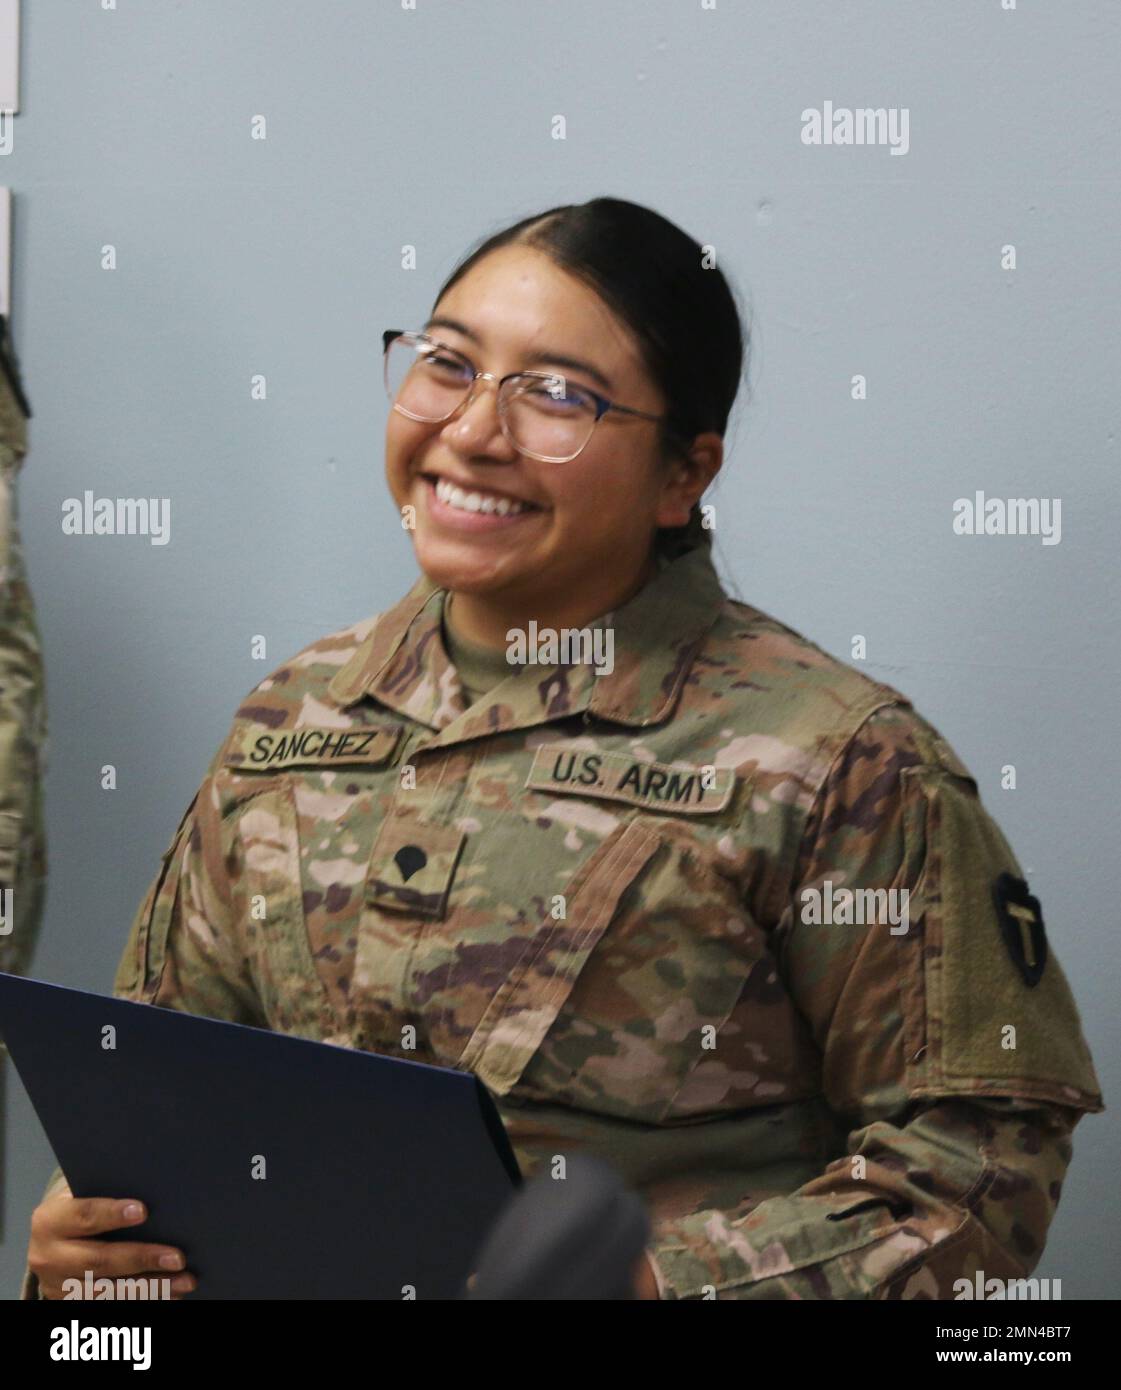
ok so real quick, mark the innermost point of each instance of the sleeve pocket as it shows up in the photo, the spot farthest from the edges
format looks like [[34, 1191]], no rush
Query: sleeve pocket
[[142, 961]]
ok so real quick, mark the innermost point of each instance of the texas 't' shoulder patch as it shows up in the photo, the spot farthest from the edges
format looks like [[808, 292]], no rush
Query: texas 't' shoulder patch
[[1021, 925], [619, 777]]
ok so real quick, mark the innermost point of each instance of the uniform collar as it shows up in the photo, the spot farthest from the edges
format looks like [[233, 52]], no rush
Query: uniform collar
[[403, 666]]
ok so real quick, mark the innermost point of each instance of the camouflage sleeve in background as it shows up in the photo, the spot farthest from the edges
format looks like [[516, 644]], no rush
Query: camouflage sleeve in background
[[22, 707], [958, 1128]]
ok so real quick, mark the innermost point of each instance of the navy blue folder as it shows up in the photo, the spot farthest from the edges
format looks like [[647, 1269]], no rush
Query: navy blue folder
[[381, 1176]]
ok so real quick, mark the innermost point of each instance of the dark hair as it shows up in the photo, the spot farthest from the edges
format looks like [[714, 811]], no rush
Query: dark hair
[[653, 276]]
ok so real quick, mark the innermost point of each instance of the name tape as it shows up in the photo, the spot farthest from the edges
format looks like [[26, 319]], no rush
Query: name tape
[[250, 749], [618, 777]]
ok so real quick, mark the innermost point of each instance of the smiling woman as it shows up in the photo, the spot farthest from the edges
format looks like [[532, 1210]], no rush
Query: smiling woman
[[599, 886], [592, 391]]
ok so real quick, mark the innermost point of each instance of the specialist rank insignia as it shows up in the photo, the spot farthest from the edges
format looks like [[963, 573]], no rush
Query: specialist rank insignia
[[1021, 926]]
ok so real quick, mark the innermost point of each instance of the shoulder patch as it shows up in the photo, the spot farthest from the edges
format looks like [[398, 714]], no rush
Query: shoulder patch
[[995, 1013], [1021, 926], [252, 748], [619, 777]]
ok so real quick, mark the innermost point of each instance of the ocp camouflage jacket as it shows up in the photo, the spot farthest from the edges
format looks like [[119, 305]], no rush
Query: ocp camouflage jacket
[[731, 917]]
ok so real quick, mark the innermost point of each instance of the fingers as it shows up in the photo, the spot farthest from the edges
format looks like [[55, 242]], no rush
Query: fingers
[[65, 1247], [62, 1216], [101, 1259]]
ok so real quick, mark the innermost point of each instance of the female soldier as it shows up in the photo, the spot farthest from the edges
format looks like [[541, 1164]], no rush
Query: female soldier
[[716, 908]]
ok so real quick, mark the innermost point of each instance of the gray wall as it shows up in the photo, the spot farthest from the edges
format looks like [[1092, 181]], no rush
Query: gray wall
[[389, 127]]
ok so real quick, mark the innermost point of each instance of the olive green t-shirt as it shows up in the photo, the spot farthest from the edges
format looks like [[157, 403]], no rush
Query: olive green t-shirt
[[479, 668]]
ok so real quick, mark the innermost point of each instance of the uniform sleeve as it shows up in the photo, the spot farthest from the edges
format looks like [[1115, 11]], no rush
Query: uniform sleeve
[[182, 952], [952, 1055]]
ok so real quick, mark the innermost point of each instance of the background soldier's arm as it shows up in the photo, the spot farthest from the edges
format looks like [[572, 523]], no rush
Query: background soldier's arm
[[957, 1142], [22, 710]]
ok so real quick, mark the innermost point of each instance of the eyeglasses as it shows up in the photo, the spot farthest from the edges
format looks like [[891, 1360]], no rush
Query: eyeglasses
[[542, 414]]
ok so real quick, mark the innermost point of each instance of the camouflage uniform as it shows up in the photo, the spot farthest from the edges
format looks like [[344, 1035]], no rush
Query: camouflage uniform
[[588, 890], [22, 707]]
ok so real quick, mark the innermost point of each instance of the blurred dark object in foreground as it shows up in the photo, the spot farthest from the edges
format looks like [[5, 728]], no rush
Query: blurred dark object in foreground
[[580, 1237]]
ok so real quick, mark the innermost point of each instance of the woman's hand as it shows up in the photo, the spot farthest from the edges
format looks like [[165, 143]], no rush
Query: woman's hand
[[64, 1245]]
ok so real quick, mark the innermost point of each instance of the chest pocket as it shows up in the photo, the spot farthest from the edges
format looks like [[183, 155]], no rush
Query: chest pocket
[[526, 1004], [616, 1008], [262, 766]]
